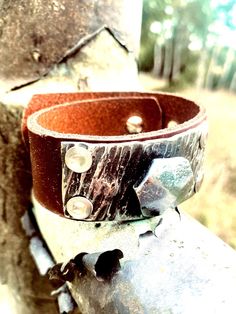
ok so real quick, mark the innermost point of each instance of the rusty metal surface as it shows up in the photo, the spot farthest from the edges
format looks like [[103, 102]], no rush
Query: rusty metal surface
[[174, 265], [103, 265], [34, 35]]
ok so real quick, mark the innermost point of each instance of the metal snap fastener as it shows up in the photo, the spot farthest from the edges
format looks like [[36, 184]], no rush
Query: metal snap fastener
[[134, 124], [78, 159], [79, 207], [172, 124]]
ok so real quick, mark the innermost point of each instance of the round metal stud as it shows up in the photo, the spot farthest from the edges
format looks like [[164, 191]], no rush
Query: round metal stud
[[172, 124], [134, 124], [79, 207], [78, 159]]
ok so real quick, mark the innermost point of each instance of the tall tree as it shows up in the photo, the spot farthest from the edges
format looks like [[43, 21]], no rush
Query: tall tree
[[179, 34]]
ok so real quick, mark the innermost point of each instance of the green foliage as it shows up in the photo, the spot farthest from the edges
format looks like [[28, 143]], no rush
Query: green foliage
[[191, 25], [188, 17], [146, 54], [225, 11]]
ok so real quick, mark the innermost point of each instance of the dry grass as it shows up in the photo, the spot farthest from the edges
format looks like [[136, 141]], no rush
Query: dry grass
[[215, 205]]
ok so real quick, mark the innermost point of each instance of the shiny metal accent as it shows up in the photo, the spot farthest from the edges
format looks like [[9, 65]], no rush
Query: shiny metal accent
[[78, 159], [79, 207], [117, 167], [168, 183], [172, 124], [134, 124]]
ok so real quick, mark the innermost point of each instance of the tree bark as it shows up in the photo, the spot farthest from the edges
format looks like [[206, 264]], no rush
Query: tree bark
[[51, 46], [32, 292], [34, 35]]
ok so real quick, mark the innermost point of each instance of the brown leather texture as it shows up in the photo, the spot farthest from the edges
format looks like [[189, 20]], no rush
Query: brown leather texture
[[97, 117], [102, 117]]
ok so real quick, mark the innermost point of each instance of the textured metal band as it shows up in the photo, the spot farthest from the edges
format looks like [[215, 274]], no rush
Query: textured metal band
[[119, 167], [87, 166]]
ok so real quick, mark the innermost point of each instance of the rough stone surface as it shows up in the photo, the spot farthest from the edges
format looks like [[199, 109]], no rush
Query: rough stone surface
[[34, 35], [85, 70], [17, 267]]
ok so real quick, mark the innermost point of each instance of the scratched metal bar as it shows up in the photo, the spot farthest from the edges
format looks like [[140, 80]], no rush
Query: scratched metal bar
[[118, 167]]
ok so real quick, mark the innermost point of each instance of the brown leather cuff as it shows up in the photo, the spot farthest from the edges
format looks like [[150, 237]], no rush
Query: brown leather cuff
[[95, 125]]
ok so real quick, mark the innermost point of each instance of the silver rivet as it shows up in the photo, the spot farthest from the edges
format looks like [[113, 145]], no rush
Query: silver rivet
[[79, 207], [134, 124], [78, 159], [172, 124]]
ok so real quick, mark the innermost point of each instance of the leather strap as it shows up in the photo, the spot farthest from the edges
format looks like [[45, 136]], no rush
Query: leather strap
[[122, 166]]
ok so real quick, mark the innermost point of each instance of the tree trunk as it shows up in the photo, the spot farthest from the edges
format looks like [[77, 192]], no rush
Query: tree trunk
[[51, 46]]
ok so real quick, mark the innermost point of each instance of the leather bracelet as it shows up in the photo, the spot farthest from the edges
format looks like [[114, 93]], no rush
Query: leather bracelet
[[114, 155]]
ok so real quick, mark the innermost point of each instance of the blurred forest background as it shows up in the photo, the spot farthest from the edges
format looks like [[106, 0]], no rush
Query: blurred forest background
[[190, 41], [189, 47]]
